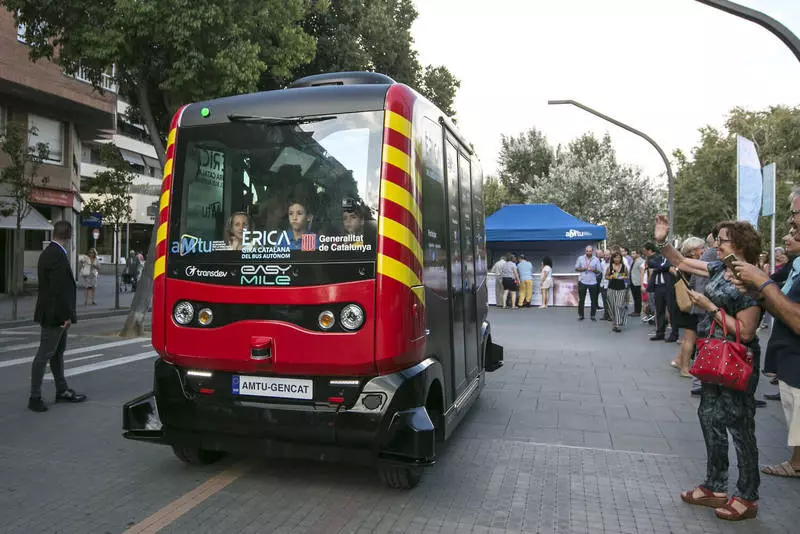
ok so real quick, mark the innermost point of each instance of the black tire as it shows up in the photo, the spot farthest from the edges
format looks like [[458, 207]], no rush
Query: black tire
[[397, 477], [195, 455]]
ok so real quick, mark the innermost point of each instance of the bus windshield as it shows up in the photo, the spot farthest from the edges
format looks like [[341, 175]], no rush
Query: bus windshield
[[277, 191]]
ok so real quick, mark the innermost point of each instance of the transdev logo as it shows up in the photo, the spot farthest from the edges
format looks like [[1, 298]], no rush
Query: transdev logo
[[190, 244], [309, 242], [572, 234]]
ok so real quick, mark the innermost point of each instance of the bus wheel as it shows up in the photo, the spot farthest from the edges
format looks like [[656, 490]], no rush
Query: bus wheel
[[196, 455], [400, 477]]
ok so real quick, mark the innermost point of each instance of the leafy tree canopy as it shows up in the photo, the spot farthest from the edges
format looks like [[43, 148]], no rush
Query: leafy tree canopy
[[524, 160]]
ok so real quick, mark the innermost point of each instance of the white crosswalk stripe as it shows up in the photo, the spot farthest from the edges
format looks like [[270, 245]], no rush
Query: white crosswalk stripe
[[24, 346], [71, 352], [82, 358], [105, 364]]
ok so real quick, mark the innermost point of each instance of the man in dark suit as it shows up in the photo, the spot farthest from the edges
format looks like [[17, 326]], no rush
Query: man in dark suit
[[55, 311]]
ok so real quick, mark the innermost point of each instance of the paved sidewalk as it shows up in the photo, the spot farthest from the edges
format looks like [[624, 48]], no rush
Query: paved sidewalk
[[104, 297]]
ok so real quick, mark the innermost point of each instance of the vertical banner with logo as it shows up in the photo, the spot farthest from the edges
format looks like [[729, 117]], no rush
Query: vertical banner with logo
[[768, 209], [749, 182]]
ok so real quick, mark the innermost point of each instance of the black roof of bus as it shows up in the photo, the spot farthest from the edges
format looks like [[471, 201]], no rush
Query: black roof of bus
[[292, 102]]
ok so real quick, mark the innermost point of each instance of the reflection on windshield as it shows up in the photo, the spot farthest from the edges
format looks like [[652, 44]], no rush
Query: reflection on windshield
[[277, 191]]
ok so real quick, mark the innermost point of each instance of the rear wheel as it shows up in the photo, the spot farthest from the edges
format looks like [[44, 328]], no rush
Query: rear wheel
[[398, 477], [196, 455]]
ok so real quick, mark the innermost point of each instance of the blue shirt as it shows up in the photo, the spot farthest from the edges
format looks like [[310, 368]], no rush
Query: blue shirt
[[588, 278], [792, 276], [525, 269]]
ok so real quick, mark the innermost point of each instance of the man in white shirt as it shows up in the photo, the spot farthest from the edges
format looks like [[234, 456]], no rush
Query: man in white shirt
[[497, 270]]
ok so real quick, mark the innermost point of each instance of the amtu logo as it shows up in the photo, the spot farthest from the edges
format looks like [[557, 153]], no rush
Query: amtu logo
[[190, 244]]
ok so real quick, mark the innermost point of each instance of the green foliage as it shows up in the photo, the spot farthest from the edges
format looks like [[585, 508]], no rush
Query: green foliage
[[524, 160], [705, 188], [494, 195], [588, 182], [110, 188]]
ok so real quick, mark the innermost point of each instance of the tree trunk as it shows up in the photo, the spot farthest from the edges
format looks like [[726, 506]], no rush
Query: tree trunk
[[17, 266], [116, 266], [134, 324]]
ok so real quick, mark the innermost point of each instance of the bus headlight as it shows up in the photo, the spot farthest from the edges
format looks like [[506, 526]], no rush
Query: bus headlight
[[352, 317], [183, 312], [205, 316], [326, 320]]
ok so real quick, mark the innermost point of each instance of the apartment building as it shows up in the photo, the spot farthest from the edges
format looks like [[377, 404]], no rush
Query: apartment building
[[134, 146], [67, 112]]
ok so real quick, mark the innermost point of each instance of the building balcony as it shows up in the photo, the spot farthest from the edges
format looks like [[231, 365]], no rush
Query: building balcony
[[107, 82]]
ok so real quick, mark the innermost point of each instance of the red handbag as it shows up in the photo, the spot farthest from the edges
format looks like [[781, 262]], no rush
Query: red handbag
[[723, 362]]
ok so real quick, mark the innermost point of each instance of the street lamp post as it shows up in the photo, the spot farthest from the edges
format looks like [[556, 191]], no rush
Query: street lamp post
[[782, 32], [670, 177]]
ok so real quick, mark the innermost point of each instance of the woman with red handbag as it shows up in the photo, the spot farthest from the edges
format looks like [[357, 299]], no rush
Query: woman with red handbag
[[728, 394]]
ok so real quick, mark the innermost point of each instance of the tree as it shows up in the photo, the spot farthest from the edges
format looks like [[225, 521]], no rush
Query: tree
[[494, 195], [705, 186], [373, 35], [111, 198], [524, 160], [592, 186], [166, 53], [17, 180]]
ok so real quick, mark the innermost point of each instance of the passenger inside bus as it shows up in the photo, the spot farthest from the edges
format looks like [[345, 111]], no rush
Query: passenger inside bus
[[300, 219], [233, 232]]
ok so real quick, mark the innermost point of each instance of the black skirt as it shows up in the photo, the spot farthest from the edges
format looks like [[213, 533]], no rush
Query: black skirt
[[687, 321], [509, 284]]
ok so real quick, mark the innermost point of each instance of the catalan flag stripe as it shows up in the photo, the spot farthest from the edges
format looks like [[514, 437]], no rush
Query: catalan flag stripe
[[159, 267], [398, 123], [401, 197], [171, 137], [396, 231], [394, 269], [398, 158], [419, 291], [167, 168], [164, 200], [162, 233]]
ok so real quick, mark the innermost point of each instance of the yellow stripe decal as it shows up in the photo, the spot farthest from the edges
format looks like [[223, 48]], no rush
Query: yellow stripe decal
[[171, 137], [159, 267], [164, 200], [167, 169], [162, 233], [396, 231], [419, 291], [400, 196], [398, 158], [398, 123], [394, 269]]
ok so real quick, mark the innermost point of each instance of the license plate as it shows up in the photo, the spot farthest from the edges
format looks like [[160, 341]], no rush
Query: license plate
[[270, 386]]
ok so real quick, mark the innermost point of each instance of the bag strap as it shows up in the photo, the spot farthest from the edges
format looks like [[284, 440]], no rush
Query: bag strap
[[725, 324]]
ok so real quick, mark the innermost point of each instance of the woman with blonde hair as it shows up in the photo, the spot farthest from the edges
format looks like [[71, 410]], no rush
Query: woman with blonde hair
[[234, 229], [546, 280], [692, 248], [89, 271]]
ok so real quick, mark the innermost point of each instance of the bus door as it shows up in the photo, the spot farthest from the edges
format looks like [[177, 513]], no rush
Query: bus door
[[456, 278], [471, 356]]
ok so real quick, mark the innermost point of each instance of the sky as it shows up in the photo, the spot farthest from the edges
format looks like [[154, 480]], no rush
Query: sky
[[665, 67]]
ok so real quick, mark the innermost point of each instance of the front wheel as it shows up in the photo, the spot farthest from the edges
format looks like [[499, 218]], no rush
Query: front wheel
[[400, 477], [196, 455]]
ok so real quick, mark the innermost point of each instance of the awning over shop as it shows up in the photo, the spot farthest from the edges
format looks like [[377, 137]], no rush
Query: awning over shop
[[539, 222], [131, 157], [32, 221]]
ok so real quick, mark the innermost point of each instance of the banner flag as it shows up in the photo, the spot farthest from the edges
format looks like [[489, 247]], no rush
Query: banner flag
[[748, 202], [768, 196]]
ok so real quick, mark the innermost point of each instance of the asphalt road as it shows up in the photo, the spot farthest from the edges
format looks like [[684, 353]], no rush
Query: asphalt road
[[582, 430]]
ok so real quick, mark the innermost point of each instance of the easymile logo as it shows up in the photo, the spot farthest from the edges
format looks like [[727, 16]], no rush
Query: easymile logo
[[265, 275], [194, 272]]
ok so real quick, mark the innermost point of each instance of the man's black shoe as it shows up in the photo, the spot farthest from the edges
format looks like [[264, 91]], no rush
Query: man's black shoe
[[580, 318], [651, 322], [656, 338], [772, 396], [760, 403], [69, 395], [697, 392], [36, 404]]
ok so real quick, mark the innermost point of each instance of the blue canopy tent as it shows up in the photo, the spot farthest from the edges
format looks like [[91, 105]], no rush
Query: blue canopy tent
[[539, 230]]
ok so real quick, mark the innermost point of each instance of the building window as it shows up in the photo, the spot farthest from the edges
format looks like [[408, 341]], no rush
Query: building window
[[3, 120], [48, 131]]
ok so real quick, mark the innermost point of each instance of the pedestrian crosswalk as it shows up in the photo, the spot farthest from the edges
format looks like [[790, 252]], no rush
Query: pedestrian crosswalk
[[84, 354]]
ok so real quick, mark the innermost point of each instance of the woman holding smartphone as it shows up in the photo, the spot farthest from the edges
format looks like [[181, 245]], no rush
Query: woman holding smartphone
[[617, 291], [724, 410]]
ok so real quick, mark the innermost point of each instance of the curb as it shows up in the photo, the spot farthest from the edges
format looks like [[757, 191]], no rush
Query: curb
[[93, 315]]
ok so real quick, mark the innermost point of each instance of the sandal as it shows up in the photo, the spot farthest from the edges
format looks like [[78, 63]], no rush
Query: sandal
[[707, 498], [786, 469], [729, 513]]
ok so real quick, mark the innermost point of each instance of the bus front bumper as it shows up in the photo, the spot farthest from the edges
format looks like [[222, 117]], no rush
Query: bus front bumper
[[400, 430]]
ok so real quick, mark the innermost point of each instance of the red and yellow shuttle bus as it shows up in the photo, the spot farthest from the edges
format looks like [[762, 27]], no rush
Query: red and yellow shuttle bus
[[319, 278]]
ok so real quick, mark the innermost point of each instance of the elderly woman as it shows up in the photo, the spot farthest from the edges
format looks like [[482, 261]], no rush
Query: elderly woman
[[724, 410], [692, 248]]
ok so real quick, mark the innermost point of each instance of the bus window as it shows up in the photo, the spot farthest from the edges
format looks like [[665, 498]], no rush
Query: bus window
[[258, 191]]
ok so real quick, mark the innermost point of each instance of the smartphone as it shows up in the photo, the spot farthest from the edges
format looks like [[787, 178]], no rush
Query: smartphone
[[728, 261]]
